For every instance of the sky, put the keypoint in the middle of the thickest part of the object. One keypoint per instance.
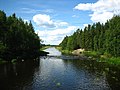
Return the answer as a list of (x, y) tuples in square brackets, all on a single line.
[(54, 19)]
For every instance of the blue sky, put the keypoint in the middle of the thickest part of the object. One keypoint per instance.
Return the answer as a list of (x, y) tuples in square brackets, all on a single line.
[(54, 19)]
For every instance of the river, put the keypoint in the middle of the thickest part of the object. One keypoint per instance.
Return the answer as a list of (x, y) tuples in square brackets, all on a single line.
[(55, 73)]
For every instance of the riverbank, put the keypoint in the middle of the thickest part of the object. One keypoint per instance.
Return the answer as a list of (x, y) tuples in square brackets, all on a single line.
[(74, 53), (102, 57), (66, 52), (93, 55), (41, 53), (44, 47)]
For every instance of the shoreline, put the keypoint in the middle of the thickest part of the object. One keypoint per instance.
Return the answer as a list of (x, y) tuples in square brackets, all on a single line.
[(93, 55), (14, 60)]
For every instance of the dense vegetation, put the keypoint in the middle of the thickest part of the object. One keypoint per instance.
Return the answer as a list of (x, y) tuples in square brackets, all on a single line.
[(102, 38), (17, 38)]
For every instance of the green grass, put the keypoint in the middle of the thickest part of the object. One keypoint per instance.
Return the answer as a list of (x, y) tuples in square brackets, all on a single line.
[(44, 47), (98, 56), (64, 51), (114, 60), (59, 48), (111, 61), (90, 53), (102, 57)]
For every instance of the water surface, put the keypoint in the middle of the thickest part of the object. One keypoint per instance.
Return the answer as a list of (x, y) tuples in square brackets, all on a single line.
[(54, 73)]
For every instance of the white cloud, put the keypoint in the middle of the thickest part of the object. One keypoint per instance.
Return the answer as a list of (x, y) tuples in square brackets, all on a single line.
[(54, 30), (55, 36), (25, 20), (75, 16), (102, 17), (30, 10), (102, 9), (82, 6), (67, 30), (85, 25), (44, 20), (48, 11), (60, 23)]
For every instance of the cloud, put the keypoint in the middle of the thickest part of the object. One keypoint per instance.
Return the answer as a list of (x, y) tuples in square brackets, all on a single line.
[(25, 20), (75, 16), (30, 10), (53, 31), (45, 21), (48, 11), (102, 9), (85, 25), (81, 6), (55, 36), (102, 17), (60, 23)]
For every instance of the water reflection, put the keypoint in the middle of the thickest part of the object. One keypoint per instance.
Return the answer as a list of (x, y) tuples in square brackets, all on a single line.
[(16, 76), (53, 51), (87, 76), (53, 73)]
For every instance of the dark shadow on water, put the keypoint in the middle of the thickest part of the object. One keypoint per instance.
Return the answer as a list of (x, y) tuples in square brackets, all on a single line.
[(14, 76)]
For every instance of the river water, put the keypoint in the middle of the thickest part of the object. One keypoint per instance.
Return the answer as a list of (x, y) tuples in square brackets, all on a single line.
[(56, 73)]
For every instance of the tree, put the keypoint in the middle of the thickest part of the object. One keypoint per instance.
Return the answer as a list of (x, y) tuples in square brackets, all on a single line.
[(17, 38), (63, 44), (97, 37)]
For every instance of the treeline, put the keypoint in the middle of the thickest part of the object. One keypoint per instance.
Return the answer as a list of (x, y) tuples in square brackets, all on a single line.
[(103, 38), (17, 38)]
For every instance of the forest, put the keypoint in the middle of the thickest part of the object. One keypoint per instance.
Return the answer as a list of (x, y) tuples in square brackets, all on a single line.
[(17, 38), (99, 37)]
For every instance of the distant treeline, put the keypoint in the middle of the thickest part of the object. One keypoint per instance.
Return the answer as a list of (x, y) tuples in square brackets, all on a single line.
[(104, 38), (17, 38)]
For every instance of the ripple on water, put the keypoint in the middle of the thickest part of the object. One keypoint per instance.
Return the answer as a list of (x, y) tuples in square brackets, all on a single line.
[(53, 73)]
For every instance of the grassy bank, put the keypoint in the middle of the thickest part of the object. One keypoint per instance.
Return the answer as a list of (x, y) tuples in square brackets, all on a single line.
[(114, 61), (64, 51), (98, 56), (44, 47), (102, 57)]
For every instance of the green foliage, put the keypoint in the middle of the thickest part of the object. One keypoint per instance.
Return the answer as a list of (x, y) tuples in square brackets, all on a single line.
[(90, 53), (101, 38), (63, 44), (44, 47), (17, 38), (64, 51), (114, 61), (110, 60)]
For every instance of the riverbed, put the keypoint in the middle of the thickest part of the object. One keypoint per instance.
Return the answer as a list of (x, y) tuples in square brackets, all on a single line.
[(54, 72)]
